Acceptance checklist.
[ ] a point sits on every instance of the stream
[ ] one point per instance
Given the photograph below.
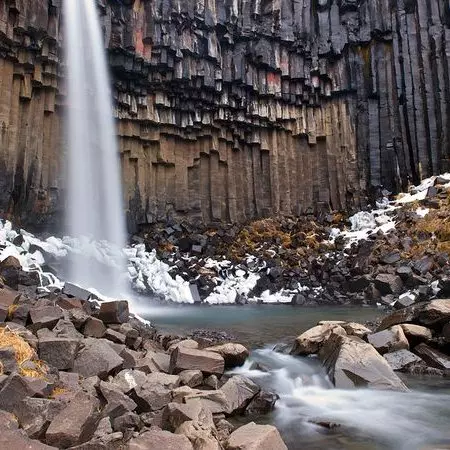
(361, 419)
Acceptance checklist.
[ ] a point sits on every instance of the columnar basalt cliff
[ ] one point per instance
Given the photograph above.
(234, 109)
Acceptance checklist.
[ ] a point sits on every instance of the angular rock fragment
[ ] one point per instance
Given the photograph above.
(114, 312)
(234, 355)
(94, 328)
(351, 362)
(190, 359)
(403, 360)
(76, 423)
(157, 439)
(191, 378)
(239, 391)
(58, 352)
(389, 340)
(96, 357)
(255, 437)
(433, 357)
(311, 341)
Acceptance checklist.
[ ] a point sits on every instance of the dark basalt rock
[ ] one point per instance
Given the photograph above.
(213, 114)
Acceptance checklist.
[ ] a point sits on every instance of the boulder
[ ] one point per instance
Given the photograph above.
(311, 341)
(191, 359)
(157, 439)
(117, 402)
(127, 380)
(389, 340)
(76, 291)
(186, 343)
(255, 437)
(17, 387)
(130, 358)
(356, 329)
(262, 403)
(191, 378)
(96, 357)
(234, 355)
(94, 328)
(212, 381)
(161, 361)
(35, 415)
(8, 362)
(403, 360)
(115, 336)
(239, 391)
(150, 397)
(351, 362)
(434, 312)
(200, 437)
(433, 357)
(76, 423)
(17, 440)
(215, 401)
(175, 414)
(114, 312)
(59, 352)
(66, 329)
(168, 381)
(423, 313)
(388, 284)
(127, 421)
(8, 297)
(416, 333)
(45, 317)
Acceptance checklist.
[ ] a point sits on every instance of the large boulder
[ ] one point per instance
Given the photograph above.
(157, 439)
(356, 329)
(404, 360)
(433, 357)
(351, 362)
(114, 312)
(117, 402)
(416, 333)
(311, 341)
(96, 357)
(175, 414)
(76, 423)
(191, 378)
(183, 358)
(233, 354)
(45, 317)
(434, 312)
(388, 284)
(430, 313)
(389, 340)
(200, 437)
(255, 437)
(59, 352)
(239, 391)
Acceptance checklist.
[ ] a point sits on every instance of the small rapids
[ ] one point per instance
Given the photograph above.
(311, 414)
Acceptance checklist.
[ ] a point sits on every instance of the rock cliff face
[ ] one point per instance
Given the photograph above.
(233, 109)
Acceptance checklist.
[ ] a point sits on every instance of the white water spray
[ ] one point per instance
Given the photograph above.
(94, 207)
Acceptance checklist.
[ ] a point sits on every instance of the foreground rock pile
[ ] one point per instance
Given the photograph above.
(82, 375)
(415, 339)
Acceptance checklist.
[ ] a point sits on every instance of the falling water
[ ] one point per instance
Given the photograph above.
(94, 208)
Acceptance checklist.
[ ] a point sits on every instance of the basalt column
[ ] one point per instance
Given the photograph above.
(228, 110)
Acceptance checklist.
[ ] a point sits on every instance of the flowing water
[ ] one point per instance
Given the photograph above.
(94, 204)
(365, 419)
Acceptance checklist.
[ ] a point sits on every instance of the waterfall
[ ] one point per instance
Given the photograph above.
(94, 201)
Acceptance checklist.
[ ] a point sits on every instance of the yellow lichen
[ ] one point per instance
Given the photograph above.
(23, 353)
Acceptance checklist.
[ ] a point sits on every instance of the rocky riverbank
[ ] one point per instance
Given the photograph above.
(82, 375)
(85, 375)
(394, 255)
